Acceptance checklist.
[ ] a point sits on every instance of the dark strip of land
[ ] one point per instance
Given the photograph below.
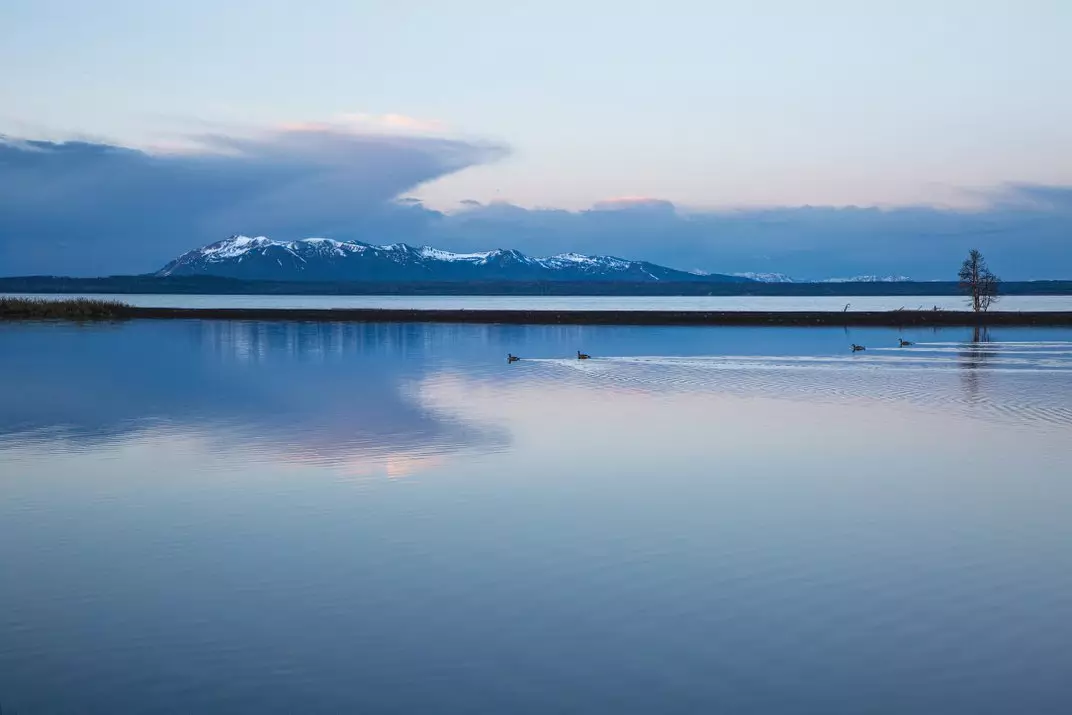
(83, 310)
(211, 285)
(618, 317)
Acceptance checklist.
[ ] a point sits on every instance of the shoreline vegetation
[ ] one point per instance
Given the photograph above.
(83, 310)
(67, 309)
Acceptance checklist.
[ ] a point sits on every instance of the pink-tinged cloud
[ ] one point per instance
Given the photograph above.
(628, 202)
(362, 123)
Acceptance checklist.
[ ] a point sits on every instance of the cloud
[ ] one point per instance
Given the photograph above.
(1026, 233)
(361, 123)
(634, 203)
(85, 208)
(401, 121)
(90, 208)
(1049, 198)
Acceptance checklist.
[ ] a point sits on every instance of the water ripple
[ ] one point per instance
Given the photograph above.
(1025, 382)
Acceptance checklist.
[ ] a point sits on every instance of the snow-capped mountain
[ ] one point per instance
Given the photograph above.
(766, 277)
(783, 278)
(869, 279)
(324, 259)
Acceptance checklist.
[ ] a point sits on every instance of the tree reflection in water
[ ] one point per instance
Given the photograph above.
(973, 357)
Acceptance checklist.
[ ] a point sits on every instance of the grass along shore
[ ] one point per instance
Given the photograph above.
(70, 309)
(83, 309)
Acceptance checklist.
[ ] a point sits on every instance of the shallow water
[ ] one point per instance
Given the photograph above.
(567, 302)
(322, 518)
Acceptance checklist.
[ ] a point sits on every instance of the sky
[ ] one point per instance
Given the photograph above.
(282, 118)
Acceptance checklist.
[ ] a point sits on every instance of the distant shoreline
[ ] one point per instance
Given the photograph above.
(84, 311)
(207, 285)
(895, 318)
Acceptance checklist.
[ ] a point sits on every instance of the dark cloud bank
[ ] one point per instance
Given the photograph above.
(91, 209)
(82, 209)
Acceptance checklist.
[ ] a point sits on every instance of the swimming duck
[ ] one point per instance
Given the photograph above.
(857, 348)
(904, 343)
(583, 356)
(511, 358)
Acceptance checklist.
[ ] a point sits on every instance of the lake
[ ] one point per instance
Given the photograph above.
(219, 517)
(493, 302)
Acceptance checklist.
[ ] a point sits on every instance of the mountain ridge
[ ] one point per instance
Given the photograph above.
(783, 278)
(325, 259)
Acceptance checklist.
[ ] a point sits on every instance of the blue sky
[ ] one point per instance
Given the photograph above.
(713, 106)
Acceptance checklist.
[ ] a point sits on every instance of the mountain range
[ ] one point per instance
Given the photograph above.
(783, 278)
(327, 260)
(324, 259)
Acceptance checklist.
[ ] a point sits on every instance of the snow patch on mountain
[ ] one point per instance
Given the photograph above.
(766, 277)
(440, 255)
(869, 279)
(783, 278)
(234, 246)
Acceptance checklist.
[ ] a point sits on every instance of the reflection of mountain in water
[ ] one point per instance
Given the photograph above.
(309, 391)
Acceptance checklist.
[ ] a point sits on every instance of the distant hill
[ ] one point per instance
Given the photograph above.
(783, 278)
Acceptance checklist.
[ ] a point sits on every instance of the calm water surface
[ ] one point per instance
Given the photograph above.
(201, 517)
(566, 302)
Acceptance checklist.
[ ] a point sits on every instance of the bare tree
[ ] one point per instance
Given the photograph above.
(978, 282)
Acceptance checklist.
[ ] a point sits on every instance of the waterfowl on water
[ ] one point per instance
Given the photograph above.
(857, 348)
(583, 356)
(511, 358)
(904, 343)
